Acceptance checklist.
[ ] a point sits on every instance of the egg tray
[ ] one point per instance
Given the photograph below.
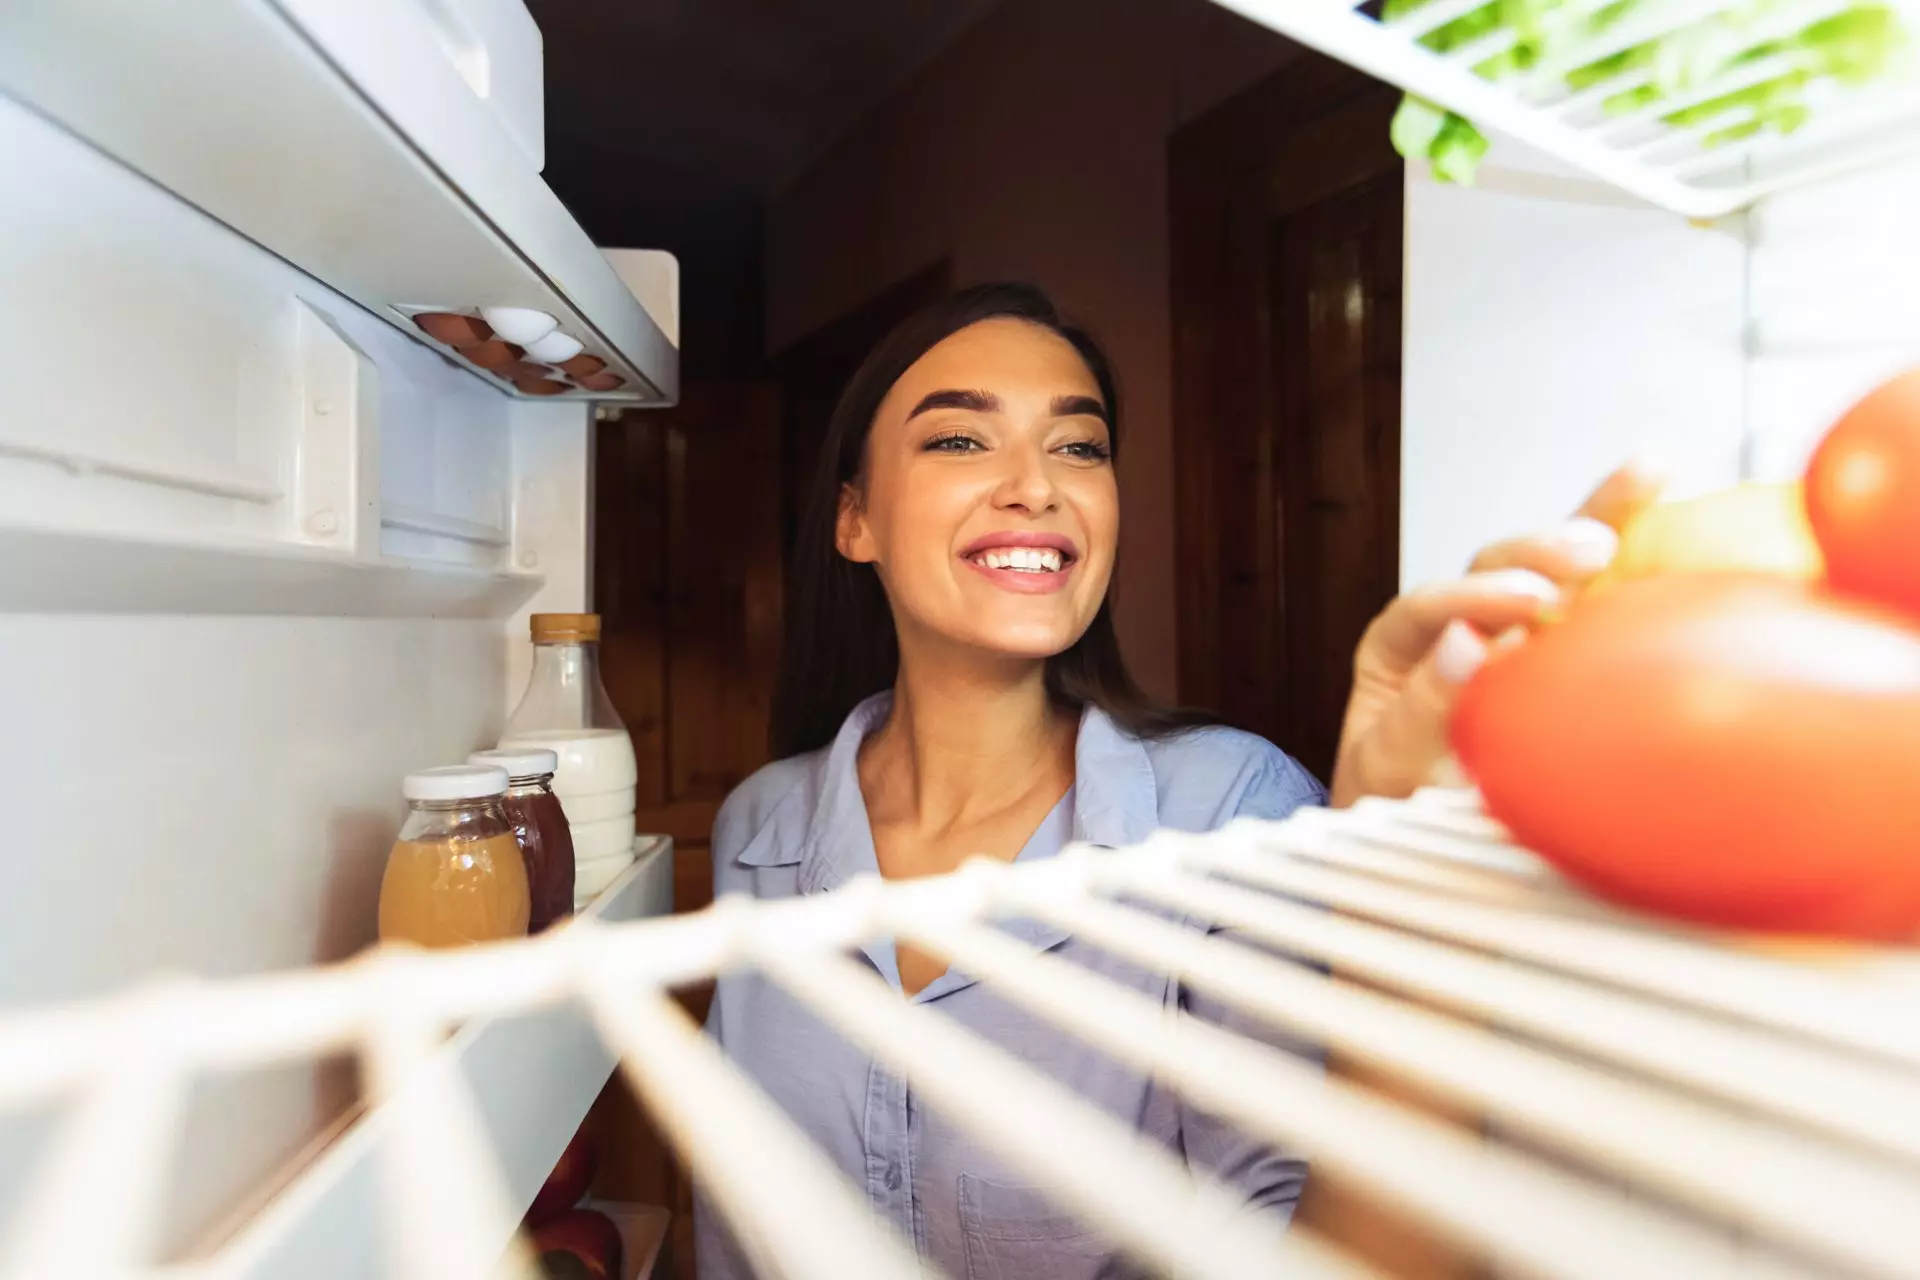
(463, 334)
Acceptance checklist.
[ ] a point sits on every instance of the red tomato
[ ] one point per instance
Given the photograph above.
(1733, 749)
(1863, 496)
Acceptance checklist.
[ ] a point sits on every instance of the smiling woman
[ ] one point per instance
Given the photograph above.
(918, 399)
(953, 688)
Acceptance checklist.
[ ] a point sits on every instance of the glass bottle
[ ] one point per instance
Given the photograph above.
(456, 874)
(566, 710)
(540, 825)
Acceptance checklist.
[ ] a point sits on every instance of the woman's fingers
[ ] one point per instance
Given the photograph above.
(1399, 755)
(1427, 643)
(1489, 603)
(1625, 494)
(1571, 553)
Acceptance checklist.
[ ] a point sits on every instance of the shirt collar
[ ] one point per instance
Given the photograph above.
(1115, 799)
(839, 840)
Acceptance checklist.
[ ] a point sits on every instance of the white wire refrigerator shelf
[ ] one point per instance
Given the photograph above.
(1696, 132)
(1649, 1100)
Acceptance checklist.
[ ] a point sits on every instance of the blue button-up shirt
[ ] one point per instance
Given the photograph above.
(799, 826)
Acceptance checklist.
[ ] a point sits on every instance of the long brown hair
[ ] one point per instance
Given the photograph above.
(840, 642)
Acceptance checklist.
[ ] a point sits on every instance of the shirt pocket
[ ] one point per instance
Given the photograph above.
(1015, 1233)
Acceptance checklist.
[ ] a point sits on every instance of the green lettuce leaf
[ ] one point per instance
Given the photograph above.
(1854, 46)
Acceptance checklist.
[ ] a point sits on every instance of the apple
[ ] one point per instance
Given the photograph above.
(567, 1185)
(1752, 527)
(579, 1244)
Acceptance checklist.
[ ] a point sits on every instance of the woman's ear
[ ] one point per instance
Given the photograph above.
(851, 534)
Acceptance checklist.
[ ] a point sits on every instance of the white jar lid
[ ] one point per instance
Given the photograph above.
(456, 782)
(519, 762)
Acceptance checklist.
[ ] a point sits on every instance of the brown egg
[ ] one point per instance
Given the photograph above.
(539, 386)
(582, 365)
(602, 381)
(493, 354)
(454, 330)
(523, 369)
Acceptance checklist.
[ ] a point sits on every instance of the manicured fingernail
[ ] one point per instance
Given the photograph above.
(1654, 463)
(1522, 582)
(1588, 544)
(1459, 653)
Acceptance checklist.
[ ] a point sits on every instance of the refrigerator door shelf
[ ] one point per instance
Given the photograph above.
(531, 1078)
(340, 135)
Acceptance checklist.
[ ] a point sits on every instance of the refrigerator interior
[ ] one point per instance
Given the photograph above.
(262, 553)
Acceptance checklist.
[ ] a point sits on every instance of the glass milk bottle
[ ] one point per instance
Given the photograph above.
(566, 710)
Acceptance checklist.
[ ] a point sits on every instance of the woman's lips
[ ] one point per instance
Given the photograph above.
(1025, 563)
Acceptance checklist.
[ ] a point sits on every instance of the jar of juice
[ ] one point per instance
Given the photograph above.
(456, 874)
(540, 825)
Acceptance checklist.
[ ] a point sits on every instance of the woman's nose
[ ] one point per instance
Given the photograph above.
(1027, 484)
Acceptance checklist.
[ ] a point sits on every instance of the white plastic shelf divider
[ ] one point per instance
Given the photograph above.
(1639, 153)
(66, 571)
(1759, 1098)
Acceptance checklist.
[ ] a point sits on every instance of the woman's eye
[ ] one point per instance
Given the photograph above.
(1087, 451)
(953, 444)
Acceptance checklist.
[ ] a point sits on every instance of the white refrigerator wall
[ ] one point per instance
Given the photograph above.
(1553, 328)
(325, 539)
(1835, 305)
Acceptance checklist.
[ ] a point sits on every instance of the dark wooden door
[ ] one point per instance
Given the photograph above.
(1285, 207)
(688, 580)
(688, 576)
(1336, 361)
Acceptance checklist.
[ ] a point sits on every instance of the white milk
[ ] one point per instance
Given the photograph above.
(596, 776)
(602, 838)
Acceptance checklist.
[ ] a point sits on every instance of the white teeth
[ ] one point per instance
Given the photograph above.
(1021, 559)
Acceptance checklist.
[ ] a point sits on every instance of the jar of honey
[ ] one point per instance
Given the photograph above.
(540, 825)
(456, 874)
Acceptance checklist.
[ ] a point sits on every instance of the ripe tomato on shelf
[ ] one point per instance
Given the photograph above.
(1863, 496)
(1739, 750)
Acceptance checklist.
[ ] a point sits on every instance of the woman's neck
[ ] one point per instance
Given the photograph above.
(965, 739)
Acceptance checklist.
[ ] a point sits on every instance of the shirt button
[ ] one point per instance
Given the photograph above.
(893, 1177)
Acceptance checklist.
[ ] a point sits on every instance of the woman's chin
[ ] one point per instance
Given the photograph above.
(1029, 641)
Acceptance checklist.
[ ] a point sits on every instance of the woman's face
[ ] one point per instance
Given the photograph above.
(988, 504)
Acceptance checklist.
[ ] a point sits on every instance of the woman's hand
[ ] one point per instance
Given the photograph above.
(1417, 654)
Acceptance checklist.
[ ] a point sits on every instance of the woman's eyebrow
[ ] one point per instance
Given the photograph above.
(1076, 406)
(973, 401)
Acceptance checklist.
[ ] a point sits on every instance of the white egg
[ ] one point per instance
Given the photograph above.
(553, 348)
(519, 325)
